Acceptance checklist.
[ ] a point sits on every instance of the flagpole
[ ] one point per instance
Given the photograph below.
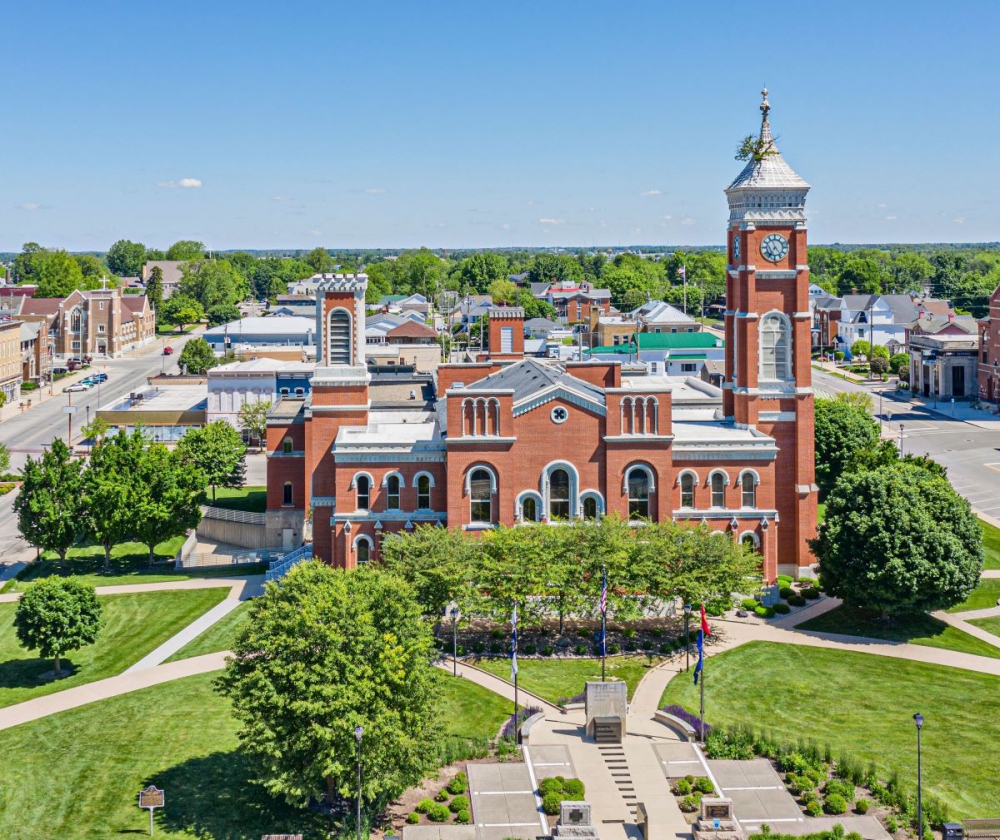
(702, 715)
(685, 273)
(513, 656)
(604, 620)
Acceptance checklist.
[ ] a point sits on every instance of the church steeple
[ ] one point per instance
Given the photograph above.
(766, 142)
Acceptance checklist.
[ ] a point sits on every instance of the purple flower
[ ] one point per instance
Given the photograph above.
(514, 721)
(687, 717)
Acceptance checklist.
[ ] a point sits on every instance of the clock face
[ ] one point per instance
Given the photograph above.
(774, 247)
(736, 247)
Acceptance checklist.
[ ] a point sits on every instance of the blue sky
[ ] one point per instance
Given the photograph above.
(391, 124)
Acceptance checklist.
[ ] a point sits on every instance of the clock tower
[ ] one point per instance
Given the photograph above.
(768, 382)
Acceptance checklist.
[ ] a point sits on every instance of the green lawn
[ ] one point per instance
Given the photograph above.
(554, 679)
(863, 705)
(991, 546)
(917, 630)
(983, 596)
(216, 638)
(76, 774)
(253, 499)
(821, 513)
(990, 625)
(134, 626)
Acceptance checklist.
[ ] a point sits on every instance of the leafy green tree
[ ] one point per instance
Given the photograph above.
(480, 271)
(185, 249)
(212, 283)
(223, 314)
(111, 490)
(326, 651)
(197, 357)
(861, 275)
(879, 365)
(218, 451)
(841, 431)
(155, 254)
(436, 562)
(899, 362)
(253, 419)
(48, 506)
(95, 273)
(126, 258)
(168, 497)
(861, 348)
(503, 291)
(58, 275)
(180, 310)
(320, 261)
(57, 616)
(898, 539)
(4, 458)
(511, 569)
(27, 264)
(154, 289)
(552, 268)
(96, 429)
(880, 351)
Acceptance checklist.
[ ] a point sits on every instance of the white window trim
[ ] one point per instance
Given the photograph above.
(519, 505)
(467, 483)
(640, 465)
(388, 475)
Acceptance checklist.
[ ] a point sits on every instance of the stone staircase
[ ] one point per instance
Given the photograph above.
(614, 758)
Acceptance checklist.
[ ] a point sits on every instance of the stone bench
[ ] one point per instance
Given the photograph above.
(528, 725)
(681, 727)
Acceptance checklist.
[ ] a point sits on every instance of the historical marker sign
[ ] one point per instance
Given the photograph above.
(151, 798)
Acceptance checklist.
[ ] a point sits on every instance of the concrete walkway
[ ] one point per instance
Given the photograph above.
(252, 583)
(493, 683)
(125, 683)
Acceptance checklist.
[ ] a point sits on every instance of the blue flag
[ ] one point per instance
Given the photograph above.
(701, 656)
(513, 644)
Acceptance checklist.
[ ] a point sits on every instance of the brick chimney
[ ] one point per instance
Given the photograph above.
(506, 333)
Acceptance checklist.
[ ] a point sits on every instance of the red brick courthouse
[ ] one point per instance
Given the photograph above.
(509, 439)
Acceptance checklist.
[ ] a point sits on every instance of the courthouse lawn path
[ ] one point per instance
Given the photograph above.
(983, 596)
(218, 637)
(76, 774)
(557, 679)
(864, 706)
(922, 630)
(135, 624)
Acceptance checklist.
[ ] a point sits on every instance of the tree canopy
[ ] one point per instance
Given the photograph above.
(197, 357)
(218, 451)
(57, 616)
(126, 258)
(48, 505)
(185, 249)
(841, 430)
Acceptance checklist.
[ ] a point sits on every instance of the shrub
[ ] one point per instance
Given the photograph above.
(497, 633)
(891, 825)
(666, 647)
(583, 633)
(497, 647)
(459, 803)
(811, 593)
(550, 803)
(438, 813)
(749, 604)
(683, 787)
(461, 650)
(796, 600)
(629, 633)
(442, 796)
(530, 649)
(478, 647)
(580, 650)
(459, 784)
(704, 785)
(573, 789)
(690, 804)
(647, 644)
(424, 805)
(413, 818)
(463, 817)
(838, 787)
(551, 785)
(548, 650)
(786, 591)
(782, 608)
(811, 796)
(764, 612)
(861, 806)
(656, 633)
(813, 808)
(835, 804)
(630, 647)
(612, 649)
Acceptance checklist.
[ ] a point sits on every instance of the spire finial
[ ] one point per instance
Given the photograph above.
(766, 141)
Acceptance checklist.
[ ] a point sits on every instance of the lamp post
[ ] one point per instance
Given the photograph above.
(454, 640)
(918, 719)
(901, 440)
(358, 732)
(687, 637)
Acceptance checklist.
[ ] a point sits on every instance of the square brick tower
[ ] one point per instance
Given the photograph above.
(768, 384)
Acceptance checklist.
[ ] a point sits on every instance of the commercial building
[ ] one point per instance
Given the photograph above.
(11, 364)
(285, 337)
(989, 351)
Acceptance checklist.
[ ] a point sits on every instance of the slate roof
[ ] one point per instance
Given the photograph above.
(931, 326)
(529, 377)
(538, 289)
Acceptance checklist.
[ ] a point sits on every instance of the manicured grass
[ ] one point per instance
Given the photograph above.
(983, 596)
(990, 625)
(991, 546)
(922, 630)
(821, 513)
(216, 638)
(134, 626)
(253, 499)
(554, 679)
(863, 705)
(469, 710)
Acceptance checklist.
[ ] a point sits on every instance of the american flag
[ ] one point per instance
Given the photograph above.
(604, 592)
(682, 271)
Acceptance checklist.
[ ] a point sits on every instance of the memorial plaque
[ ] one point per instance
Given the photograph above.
(718, 811)
(606, 705)
(151, 797)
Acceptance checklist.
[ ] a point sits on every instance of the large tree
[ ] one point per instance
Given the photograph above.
(179, 310)
(111, 488)
(218, 451)
(842, 429)
(126, 258)
(320, 261)
(325, 652)
(57, 616)
(168, 497)
(154, 289)
(197, 357)
(185, 249)
(898, 539)
(58, 275)
(480, 271)
(212, 283)
(48, 506)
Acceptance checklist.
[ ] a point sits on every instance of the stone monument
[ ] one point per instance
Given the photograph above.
(716, 821)
(606, 707)
(575, 821)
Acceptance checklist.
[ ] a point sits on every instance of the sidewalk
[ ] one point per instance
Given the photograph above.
(244, 587)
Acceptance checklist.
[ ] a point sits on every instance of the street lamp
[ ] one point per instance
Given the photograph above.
(901, 440)
(454, 640)
(918, 719)
(687, 637)
(358, 732)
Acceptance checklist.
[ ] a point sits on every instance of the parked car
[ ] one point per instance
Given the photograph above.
(74, 364)
(60, 371)
(168, 351)
(79, 386)
(98, 377)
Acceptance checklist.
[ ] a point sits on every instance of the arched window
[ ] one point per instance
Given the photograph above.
(392, 493)
(559, 494)
(481, 496)
(775, 347)
(638, 493)
(338, 340)
(363, 484)
(589, 507)
(286, 495)
(749, 541)
(718, 490)
(286, 446)
(363, 548)
(748, 486)
(76, 320)
(687, 490)
(423, 492)
(529, 509)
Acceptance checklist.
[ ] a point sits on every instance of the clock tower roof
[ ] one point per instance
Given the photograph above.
(767, 169)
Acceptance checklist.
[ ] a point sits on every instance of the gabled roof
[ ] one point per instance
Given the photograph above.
(411, 329)
(659, 311)
(136, 303)
(538, 289)
(531, 378)
(932, 326)
(40, 306)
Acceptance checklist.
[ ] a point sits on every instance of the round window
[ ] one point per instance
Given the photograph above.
(559, 414)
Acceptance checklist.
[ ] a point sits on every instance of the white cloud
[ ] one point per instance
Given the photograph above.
(166, 183)
(29, 206)
(315, 232)
(667, 217)
(882, 206)
(551, 222)
(282, 198)
(959, 220)
(890, 218)
(441, 224)
(189, 182)
(651, 192)
(531, 202)
(687, 220)
(374, 191)
(505, 226)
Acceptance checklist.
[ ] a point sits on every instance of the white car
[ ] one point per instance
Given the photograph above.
(78, 386)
